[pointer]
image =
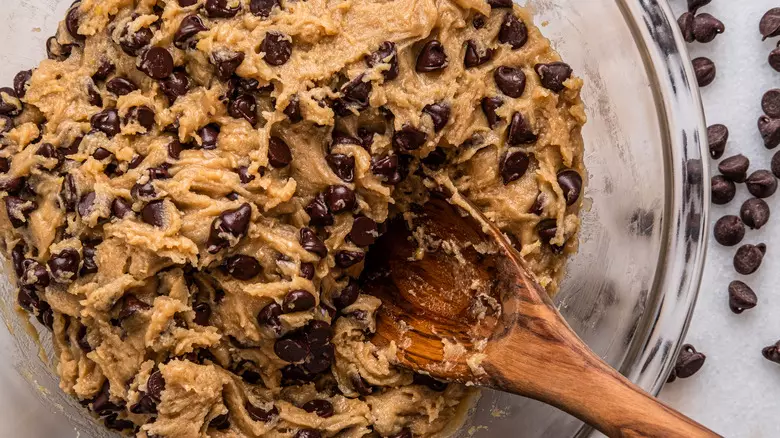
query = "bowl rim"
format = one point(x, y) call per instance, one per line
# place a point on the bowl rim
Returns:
point(686, 215)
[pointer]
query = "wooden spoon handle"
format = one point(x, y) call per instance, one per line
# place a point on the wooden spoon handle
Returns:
point(541, 357)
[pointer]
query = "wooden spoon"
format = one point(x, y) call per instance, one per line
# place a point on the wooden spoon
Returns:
point(460, 305)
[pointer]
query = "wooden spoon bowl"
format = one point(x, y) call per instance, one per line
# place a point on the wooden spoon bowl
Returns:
point(460, 305)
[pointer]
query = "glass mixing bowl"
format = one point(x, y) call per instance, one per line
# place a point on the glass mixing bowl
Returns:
point(629, 291)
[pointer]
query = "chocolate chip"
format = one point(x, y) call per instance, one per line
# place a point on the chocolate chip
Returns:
point(220, 422)
point(774, 59)
point(511, 81)
point(155, 385)
point(308, 433)
point(705, 71)
point(175, 85)
point(121, 86)
point(340, 198)
point(409, 138)
point(28, 299)
point(571, 185)
point(770, 103)
point(520, 131)
point(83, 340)
point(761, 184)
point(741, 297)
point(360, 385)
point(318, 212)
point(489, 107)
point(269, 317)
point(202, 314)
point(291, 350)
point(19, 210)
point(298, 301)
point(293, 110)
point(21, 81)
point(244, 107)
point(356, 94)
point(364, 231)
point(322, 408)
point(89, 266)
point(107, 122)
point(474, 56)
point(104, 69)
point(770, 131)
point(143, 191)
point(685, 21)
point(156, 62)
point(243, 267)
point(320, 359)
point(35, 274)
point(689, 362)
point(310, 242)
point(346, 259)
point(347, 296)
point(729, 230)
point(342, 165)
point(6, 124)
point(748, 258)
point(227, 62)
point(143, 115)
point(229, 225)
point(277, 48)
point(755, 213)
point(72, 23)
point(209, 135)
point(186, 3)
point(153, 213)
point(259, 414)
point(244, 176)
point(47, 150)
point(263, 8)
point(717, 136)
point(190, 26)
point(513, 32)
point(133, 43)
point(307, 270)
point(318, 333)
point(735, 168)
point(547, 229)
point(776, 164)
point(386, 167)
point(431, 57)
point(132, 305)
point(94, 97)
point(57, 51)
point(513, 166)
point(723, 190)
point(85, 204)
point(11, 185)
point(222, 8)
point(769, 26)
point(279, 154)
point(385, 54)
point(706, 28)
point(439, 113)
point(553, 75)
point(160, 172)
point(9, 102)
point(694, 5)
point(64, 265)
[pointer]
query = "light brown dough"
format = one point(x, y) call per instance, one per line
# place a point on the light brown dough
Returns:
point(150, 298)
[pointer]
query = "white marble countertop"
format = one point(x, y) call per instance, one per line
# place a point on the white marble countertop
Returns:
point(735, 391)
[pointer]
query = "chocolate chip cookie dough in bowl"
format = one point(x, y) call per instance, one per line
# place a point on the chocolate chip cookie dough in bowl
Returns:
point(223, 260)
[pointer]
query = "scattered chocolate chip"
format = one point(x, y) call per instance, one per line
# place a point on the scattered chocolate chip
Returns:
point(717, 136)
point(706, 28)
point(547, 229)
point(121, 86)
point(11, 185)
point(228, 226)
point(21, 81)
point(347, 296)
point(689, 362)
point(761, 184)
point(220, 422)
point(156, 62)
point(409, 138)
point(132, 305)
point(769, 26)
point(774, 59)
point(175, 85)
point(310, 242)
point(770, 103)
point(259, 414)
point(475, 57)
point(209, 135)
point(244, 176)
point(19, 210)
point(10, 104)
point(478, 21)
point(6, 124)
point(705, 71)
point(85, 204)
point(64, 265)
point(293, 110)
point(308, 433)
point(748, 258)
point(769, 129)
point(755, 213)
point(133, 43)
point(35, 274)
point(153, 213)
point(243, 267)
point(244, 107)
point(190, 26)
point(143, 115)
point(227, 62)
point(553, 75)
point(431, 57)
point(277, 48)
point(513, 166)
point(88, 265)
point(322, 408)
point(143, 191)
point(107, 122)
point(776, 164)
point(318, 212)
point(360, 385)
point(685, 21)
point(723, 190)
point(291, 350)
point(263, 8)
point(340, 198)
point(513, 31)
point(741, 297)
point(298, 301)
point(364, 231)
point(520, 131)
point(735, 168)
point(489, 107)
point(346, 259)
point(729, 230)
point(307, 270)
point(511, 81)
point(222, 8)
point(571, 185)
point(342, 165)
point(279, 154)
point(385, 54)
point(439, 113)
point(386, 167)
point(104, 70)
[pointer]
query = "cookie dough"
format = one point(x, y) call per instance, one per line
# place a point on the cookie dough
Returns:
point(190, 187)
